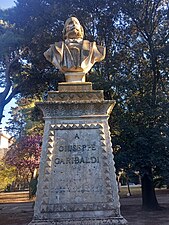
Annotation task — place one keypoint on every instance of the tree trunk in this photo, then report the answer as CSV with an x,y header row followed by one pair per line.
x,y
128,187
149,200
1,113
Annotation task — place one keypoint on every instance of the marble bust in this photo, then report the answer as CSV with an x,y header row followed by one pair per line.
x,y
74,56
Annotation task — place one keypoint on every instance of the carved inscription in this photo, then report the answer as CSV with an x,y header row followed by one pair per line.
x,y
77,160
76,167
79,149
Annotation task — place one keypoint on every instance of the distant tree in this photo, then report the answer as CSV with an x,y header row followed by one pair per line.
x,y
7,175
26,119
24,154
15,125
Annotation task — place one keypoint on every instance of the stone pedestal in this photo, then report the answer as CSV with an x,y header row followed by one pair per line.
x,y
77,182
75,77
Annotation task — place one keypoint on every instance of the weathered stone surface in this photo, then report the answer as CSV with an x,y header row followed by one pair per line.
x,y
42,222
77,182
75,96
110,221
76,109
75,92
75,87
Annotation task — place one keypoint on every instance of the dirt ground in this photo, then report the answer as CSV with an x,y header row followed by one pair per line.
x,y
17,209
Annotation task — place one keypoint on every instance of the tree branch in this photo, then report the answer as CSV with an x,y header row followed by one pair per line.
x,y
7,73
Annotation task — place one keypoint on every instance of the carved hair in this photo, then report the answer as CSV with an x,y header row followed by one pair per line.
x,y
80,33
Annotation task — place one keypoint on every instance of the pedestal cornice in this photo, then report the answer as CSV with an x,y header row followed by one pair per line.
x,y
76,108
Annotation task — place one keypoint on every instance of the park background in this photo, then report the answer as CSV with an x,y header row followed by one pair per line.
x,y
135,73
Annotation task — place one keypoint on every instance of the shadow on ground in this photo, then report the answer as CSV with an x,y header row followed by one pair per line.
x,y
17,209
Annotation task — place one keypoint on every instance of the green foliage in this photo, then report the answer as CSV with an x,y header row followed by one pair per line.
x,y
10,40
140,119
26,119
7,175
33,187
159,182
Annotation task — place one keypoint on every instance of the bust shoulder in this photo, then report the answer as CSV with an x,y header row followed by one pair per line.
x,y
58,44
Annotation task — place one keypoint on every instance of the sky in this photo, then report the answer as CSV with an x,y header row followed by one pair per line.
x,y
6,113
4,4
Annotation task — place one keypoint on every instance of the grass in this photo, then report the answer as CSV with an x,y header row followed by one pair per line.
x,y
135,190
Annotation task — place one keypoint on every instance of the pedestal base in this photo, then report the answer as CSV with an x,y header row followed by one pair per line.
x,y
42,222
110,221
75,77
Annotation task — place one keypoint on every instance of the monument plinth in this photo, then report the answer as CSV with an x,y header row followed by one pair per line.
x,y
75,77
77,181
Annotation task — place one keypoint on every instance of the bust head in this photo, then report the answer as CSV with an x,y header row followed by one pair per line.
x,y
73,29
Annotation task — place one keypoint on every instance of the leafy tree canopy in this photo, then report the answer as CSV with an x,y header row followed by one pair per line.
x,y
24,154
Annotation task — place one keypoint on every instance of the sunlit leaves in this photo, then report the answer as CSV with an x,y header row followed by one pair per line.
x,y
7,175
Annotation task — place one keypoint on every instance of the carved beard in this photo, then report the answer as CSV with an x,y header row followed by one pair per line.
x,y
73,34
